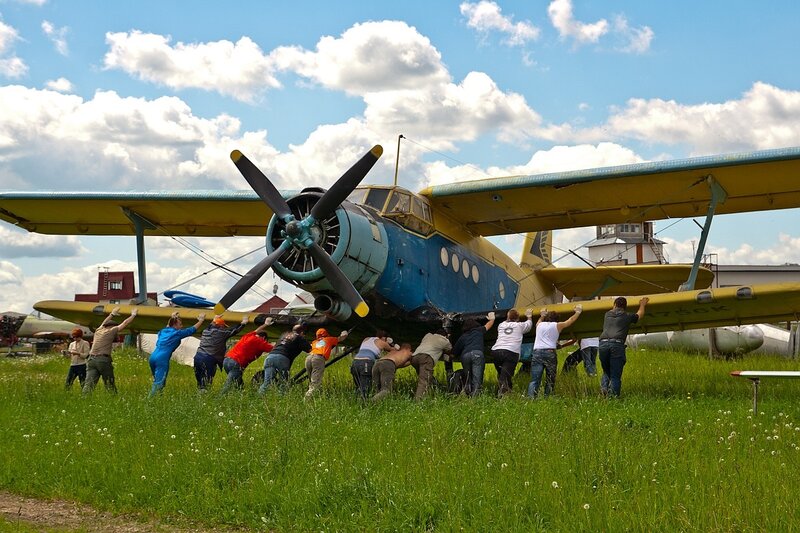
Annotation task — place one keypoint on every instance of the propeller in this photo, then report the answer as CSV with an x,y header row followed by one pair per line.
x,y
298,233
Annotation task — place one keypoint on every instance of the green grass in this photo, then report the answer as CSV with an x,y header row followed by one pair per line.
x,y
680,451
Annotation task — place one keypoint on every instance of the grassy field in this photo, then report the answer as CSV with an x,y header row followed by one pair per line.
x,y
681,451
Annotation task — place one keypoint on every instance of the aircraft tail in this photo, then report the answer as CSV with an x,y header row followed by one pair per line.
x,y
537,251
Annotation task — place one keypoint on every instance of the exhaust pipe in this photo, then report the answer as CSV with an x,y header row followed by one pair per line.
x,y
332,307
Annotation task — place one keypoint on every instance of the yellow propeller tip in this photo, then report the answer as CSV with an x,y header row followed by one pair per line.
x,y
236,155
377,150
219,309
362,309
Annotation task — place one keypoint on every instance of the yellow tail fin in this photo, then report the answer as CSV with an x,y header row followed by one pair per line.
x,y
537,251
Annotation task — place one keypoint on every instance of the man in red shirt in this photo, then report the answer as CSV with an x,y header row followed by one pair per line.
x,y
248,349
320,352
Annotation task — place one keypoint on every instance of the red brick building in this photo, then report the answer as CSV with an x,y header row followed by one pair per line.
x,y
115,288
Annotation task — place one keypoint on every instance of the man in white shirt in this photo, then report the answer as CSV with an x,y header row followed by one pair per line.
x,y
505,352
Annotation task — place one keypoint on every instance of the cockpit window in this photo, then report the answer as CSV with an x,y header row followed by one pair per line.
x,y
377,198
357,196
409,211
400,202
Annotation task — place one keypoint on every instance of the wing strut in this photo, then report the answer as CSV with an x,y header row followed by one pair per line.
x,y
718,196
139,225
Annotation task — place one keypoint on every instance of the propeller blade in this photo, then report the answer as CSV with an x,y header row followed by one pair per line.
x,y
261,184
249,279
341,283
340,190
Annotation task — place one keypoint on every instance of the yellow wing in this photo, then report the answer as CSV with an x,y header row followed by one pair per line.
x,y
584,282
196,213
151,319
754,181
773,302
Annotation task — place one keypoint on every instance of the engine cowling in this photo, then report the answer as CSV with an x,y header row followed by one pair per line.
x,y
355,241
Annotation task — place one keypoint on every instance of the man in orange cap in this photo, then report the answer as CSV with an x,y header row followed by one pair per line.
x,y
320,352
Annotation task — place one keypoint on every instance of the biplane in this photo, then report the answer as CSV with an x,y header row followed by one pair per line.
x,y
385,257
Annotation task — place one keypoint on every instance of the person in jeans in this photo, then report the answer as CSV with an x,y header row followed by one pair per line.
x,y
277,364
586,352
167,342
543,357
469,348
99,363
612,344
320,352
383,372
78,351
424,359
248,349
505,352
363,361
211,351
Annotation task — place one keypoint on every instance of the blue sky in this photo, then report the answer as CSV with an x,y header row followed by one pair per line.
x,y
154,95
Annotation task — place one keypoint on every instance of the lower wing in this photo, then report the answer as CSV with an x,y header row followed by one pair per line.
x,y
765,303
585,282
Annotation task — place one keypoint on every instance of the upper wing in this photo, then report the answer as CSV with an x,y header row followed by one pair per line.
x,y
196,213
630,280
754,181
772,302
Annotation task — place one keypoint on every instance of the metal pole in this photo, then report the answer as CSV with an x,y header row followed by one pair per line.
x,y
397,161
718,196
755,396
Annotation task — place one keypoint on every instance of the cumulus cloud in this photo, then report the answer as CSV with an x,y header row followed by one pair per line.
x,y
240,70
367,58
555,159
486,16
452,112
634,40
397,72
785,251
62,85
560,13
57,35
10,65
765,117
49,140
19,243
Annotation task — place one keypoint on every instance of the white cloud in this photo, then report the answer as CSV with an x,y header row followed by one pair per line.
x,y
765,117
48,139
240,69
367,58
635,40
486,16
19,243
785,251
62,85
10,274
560,13
555,159
57,35
10,65
449,113
396,70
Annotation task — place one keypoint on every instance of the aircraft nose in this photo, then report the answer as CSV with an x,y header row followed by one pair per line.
x,y
752,337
